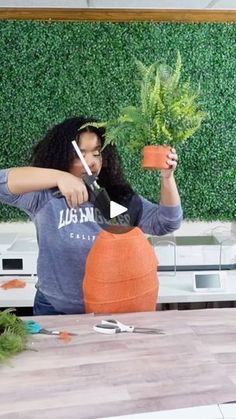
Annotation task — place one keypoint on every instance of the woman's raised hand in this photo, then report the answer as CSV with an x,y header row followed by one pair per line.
x,y
172,161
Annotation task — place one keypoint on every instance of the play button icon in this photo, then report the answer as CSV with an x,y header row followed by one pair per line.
x,y
117,218
116,209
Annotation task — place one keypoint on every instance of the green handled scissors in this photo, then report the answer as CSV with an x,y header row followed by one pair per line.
x,y
34,327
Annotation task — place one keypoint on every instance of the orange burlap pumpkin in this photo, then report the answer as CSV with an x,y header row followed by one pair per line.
x,y
121,274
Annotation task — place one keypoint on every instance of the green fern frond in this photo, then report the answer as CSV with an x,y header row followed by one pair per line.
x,y
146,88
167,133
111,135
184,135
177,73
141,68
94,124
130,114
170,79
155,102
165,73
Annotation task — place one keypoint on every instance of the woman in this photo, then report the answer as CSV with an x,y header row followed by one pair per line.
x,y
66,228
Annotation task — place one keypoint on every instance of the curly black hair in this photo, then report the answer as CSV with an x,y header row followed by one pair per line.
x,y
55,151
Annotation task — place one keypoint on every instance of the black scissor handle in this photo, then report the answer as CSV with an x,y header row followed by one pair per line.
x,y
91,181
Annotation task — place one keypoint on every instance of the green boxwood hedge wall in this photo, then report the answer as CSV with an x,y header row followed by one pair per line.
x,y
50,71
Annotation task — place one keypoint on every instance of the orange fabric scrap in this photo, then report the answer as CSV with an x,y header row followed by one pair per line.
x,y
65,336
13,283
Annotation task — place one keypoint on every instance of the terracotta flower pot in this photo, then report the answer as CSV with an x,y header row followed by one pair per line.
x,y
121,274
155,156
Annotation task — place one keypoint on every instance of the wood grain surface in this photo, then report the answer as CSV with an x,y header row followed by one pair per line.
x,y
97,375
117,15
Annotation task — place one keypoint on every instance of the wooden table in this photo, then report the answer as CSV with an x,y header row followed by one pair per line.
x,y
97,375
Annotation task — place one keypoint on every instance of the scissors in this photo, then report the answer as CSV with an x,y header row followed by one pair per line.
x,y
34,327
112,326
96,193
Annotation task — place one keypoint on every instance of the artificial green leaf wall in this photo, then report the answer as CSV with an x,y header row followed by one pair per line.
x,y
50,71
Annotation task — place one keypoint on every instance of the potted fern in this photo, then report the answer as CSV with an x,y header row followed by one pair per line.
x,y
168,113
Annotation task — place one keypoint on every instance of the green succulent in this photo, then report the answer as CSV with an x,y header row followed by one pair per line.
x,y
168,111
13,335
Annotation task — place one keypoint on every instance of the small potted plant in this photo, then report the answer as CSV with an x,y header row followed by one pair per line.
x,y
168,113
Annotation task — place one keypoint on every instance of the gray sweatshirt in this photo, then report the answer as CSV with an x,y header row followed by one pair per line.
x,y
66,235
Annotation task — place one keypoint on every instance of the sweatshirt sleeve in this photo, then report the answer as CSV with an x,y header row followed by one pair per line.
x,y
31,202
159,219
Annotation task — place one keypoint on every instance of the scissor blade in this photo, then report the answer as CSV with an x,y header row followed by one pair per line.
x,y
55,332
148,331
49,332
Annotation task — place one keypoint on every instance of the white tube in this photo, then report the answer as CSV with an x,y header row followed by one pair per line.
x,y
81,157
83,161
